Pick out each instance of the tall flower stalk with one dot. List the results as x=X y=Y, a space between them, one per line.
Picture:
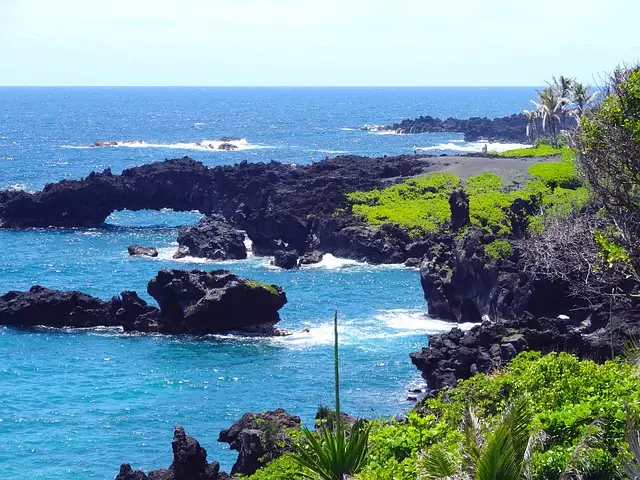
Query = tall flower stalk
x=331 y=454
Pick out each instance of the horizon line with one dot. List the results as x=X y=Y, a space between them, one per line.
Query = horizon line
x=270 y=86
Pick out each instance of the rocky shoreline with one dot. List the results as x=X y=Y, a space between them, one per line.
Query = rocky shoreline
x=191 y=302
x=511 y=129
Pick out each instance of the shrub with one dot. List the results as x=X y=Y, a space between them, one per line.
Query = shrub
x=542 y=150
x=556 y=174
x=498 y=249
x=484 y=183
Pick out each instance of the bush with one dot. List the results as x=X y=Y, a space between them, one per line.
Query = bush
x=498 y=249
x=419 y=205
x=556 y=174
x=484 y=183
x=542 y=150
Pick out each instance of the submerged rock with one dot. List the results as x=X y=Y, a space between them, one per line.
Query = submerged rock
x=227 y=146
x=259 y=438
x=311 y=257
x=135 y=249
x=189 y=463
x=213 y=237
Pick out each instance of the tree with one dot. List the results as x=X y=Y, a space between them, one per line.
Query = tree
x=532 y=129
x=331 y=454
x=608 y=147
x=548 y=108
x=562 y=87
x=503 y=454
x=581 y=96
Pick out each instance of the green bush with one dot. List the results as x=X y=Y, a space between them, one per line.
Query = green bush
x=542 y=150
x=556 y=174
x=419 y=205
x=484 y=183
x=498 y=249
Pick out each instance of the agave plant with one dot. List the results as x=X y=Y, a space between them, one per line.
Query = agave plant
x=549 y=107
x=581 y=97
x=331 y=453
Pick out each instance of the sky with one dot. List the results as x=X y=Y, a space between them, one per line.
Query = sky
x=313 y=42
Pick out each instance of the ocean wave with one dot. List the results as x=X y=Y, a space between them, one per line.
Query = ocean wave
x=331 y=262
x=17 y=187
x=417 y=321
x=473 y=147
x=203 y=145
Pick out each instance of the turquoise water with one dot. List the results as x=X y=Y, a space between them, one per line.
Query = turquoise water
x=76 y=404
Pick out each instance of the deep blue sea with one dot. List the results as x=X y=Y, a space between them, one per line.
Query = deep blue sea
x=76 y=404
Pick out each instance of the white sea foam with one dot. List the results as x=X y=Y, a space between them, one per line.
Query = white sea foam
x=473 y=147
x=16 y=187
x=417 y=321
x=348 y=129
x=204 y=145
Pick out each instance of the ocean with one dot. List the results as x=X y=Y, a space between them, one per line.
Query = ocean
x=75 y=404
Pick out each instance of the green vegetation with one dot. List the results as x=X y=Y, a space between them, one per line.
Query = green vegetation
x=422 y=205
x=332 y=453
x=499 y=249
x=542 y=150
x=419 y=205
x=267 y=286
x=563 y=395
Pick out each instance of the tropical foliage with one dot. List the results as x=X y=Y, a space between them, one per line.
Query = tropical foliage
x=564 y=397
x=331 y=453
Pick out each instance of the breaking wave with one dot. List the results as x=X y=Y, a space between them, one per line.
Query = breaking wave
x=203 y=145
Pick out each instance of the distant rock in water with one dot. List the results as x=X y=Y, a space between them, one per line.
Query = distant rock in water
x=227 y=146
x=311 y=258
x=193 y=302
x=189 y=463
x=213 y=237
x=102 y=143
x=503 y=129
x=135 y=249
x=229 y=139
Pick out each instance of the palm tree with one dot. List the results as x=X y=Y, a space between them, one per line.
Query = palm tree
x=562 y=87
x=548 y=108
x=505 y=453
x=632 y=468
x=532 y=129
x=581 y=97
x=331 y=454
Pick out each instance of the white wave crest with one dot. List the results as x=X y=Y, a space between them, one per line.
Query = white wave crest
x=203 y=145
x=417 y=321
x=17 y=187
x=473 y=147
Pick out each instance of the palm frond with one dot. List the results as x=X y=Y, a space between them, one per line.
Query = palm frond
x=438 y=464
x=473 y=440
x=632 y=468
x=579 y=461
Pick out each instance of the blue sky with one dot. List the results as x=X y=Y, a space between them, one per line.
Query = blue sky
x=313 y=42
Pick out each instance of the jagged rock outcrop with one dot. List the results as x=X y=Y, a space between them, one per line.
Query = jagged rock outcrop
x=518 y=310
x=191 y=302
x=189 y=463
x=213 y=237
x=201 y=302
x=259 y=438
x=502 y=129
x=280 y=206
x=285 y=259
x=135 y=249
x=587 y=333
x=311 y=258
x=459 y=204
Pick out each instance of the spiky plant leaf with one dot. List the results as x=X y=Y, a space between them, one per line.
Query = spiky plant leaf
x=438 y=464
x=579 y=460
